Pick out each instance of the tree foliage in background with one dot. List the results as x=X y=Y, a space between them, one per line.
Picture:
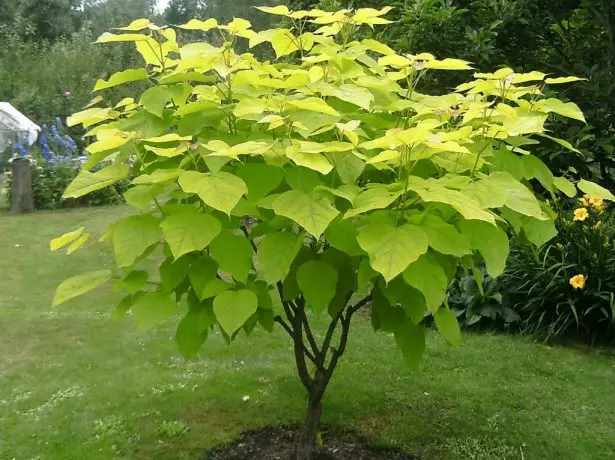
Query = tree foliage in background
x=312 y=185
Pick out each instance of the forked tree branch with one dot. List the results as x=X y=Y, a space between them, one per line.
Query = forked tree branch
x=300 y=311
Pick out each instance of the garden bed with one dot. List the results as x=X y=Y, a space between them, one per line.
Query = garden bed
x=277 y=443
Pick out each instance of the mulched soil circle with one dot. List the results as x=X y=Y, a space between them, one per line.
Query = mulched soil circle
x=276 y=443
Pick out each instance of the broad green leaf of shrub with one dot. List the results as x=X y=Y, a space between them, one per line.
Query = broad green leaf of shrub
x=443 y=237
x=342 y=235
x=410 y=339
x=87 y=182
x=132 y=236
x=78 y=243
x=519 y=197
x=79 y=285
x=276 y=253
x=428 y=276
x=134 y=281
x=317 y=280
x=65 y=239
x=233 y=253
x=220 y=190
x=566 y=109
x=491 y=241
x=202 y=273
x=260 y=179
x=311 y=212
x=448 y=326
x=152 y=309
x=143 y=196
x=233 y=308
x=192 y=329
x=375 y=198
x=595 y=190
x=120 y=78
x=565 y=186
x=391 y=249
x=189 y=230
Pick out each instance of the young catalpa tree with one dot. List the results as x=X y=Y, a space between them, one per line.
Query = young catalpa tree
x=315 y=184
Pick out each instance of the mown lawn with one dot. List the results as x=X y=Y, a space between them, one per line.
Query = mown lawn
x=74 y=384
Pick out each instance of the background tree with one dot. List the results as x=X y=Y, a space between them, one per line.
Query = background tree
x=41 y=20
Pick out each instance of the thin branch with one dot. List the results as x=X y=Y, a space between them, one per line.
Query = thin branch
x=359 y=304
x=329 y=335
x=339 y=351
x=278 y=319
x=300 y=354
x=306 y=327
x=245 y=232
x=331 y=330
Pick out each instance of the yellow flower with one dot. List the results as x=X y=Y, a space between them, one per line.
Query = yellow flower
x=594 y=202
x=577 y=281
x=598 y=225
x=580 y=214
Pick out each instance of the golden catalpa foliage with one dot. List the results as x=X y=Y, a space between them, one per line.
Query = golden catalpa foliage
x=266 y=188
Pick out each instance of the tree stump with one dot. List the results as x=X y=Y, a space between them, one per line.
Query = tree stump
x=22 y=200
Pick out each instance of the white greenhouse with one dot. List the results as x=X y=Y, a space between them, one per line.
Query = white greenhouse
x=16 y=128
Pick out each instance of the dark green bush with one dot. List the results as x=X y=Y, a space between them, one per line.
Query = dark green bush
x=477 y=301
x=566 y=288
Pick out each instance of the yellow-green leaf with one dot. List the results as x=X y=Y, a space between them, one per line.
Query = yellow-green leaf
x=313 y=104
x=428 y=276
x=410 y=339
x=65 y=239
x=566 y=109
x=79 y=285
x=78 y=243
x=196 y=24
x=108 y=37
x=491 y=241
x=280 y=10
x=448 y=326
x=233 y=308
x=189 y=230
x=595 y=190
x=220 y=190
x=560 y=80
x=391 y=249
x=87 y=182
x=311 y=212
x=565 y=186
x=137 y=24
x=314 y=161
x=119 y=78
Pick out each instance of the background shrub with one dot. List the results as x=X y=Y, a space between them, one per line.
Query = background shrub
x=540 y=283
x=477 y=301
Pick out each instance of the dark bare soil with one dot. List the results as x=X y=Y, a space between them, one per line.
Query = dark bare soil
x=276 y=443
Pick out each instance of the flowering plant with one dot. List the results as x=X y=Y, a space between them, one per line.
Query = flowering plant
x=567 y=287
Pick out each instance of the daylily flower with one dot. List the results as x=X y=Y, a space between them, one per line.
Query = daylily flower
x=577 y=281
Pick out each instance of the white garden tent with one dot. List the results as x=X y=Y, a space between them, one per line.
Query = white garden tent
x=16 y=128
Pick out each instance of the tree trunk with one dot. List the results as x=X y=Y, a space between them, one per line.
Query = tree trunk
x=306 y=444
x=22 y=200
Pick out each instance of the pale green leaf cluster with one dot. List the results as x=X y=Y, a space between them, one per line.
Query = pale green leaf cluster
x=323 y=173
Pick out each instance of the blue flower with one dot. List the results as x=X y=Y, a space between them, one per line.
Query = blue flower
x=20 y=148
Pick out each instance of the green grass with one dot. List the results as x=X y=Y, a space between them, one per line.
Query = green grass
x=74 y=384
